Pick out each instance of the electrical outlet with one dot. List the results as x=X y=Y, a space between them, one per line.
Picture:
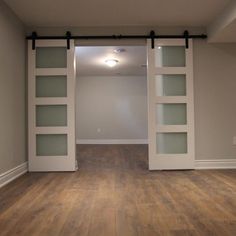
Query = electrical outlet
x=234 y=140
x=99 y=130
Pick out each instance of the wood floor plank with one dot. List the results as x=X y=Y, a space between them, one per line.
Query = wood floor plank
x=79 y=217
x=113 y=193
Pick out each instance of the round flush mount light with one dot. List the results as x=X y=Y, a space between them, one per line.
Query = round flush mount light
x=159 y=47
x=111 y=62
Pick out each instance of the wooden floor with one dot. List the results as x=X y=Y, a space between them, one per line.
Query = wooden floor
x=113 y=193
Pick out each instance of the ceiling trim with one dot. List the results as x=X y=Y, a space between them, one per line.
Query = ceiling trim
x=226 y=17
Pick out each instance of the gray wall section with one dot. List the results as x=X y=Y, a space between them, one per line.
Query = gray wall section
x=12 y=91
x=117 y=105
x=215 y=100
x=214 y=81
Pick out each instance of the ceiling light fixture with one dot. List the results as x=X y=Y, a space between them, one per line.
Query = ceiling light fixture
x=111 y=62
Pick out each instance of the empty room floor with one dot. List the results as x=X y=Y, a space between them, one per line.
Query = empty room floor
x=113 y=193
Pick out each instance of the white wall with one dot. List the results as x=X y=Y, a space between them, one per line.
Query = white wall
x=214 y=81
x=117 y=105
x=215 y=100
x=12 y=90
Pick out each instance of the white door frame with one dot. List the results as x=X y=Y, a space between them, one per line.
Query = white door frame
x=170 y=161
x=51 y=163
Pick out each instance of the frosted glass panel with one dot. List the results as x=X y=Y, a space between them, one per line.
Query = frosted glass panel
x=171 y=114
x=171 y=56
x=171 y=143
x=171 y=85
x=51 y=115
x=51 y=86
x=51 y=57
x=51 y=144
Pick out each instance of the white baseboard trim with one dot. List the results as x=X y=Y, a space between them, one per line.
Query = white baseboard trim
x=111 y=141
x=215 y=164
x=12 y=174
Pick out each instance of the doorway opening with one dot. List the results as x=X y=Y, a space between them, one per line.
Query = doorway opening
x=111 y=102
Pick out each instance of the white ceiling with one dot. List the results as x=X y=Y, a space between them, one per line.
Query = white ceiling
x=223 y=29
x=117 y=12
x=91 y=61
x=226 y=34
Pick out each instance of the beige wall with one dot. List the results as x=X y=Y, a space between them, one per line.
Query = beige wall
x=214 y=81
x=215 y=100
x=117 y=105
x=12 y=91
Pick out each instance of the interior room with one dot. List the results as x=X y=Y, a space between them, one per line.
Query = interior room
x=111 y=99
x=117 y=118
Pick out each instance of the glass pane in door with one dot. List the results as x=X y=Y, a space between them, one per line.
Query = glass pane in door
x=171 y=143
x=170 y=56
x=51 y=86
x=51 y=144
x=51 y=115
x=170 y=85
x=51 y=57
x=171 y=114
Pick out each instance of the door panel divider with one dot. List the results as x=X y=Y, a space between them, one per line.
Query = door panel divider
x=50 y=71
x=171 y=99
x=171 y=128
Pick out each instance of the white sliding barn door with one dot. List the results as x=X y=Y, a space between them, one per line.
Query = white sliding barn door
x=170 y=101
x=51 y=106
